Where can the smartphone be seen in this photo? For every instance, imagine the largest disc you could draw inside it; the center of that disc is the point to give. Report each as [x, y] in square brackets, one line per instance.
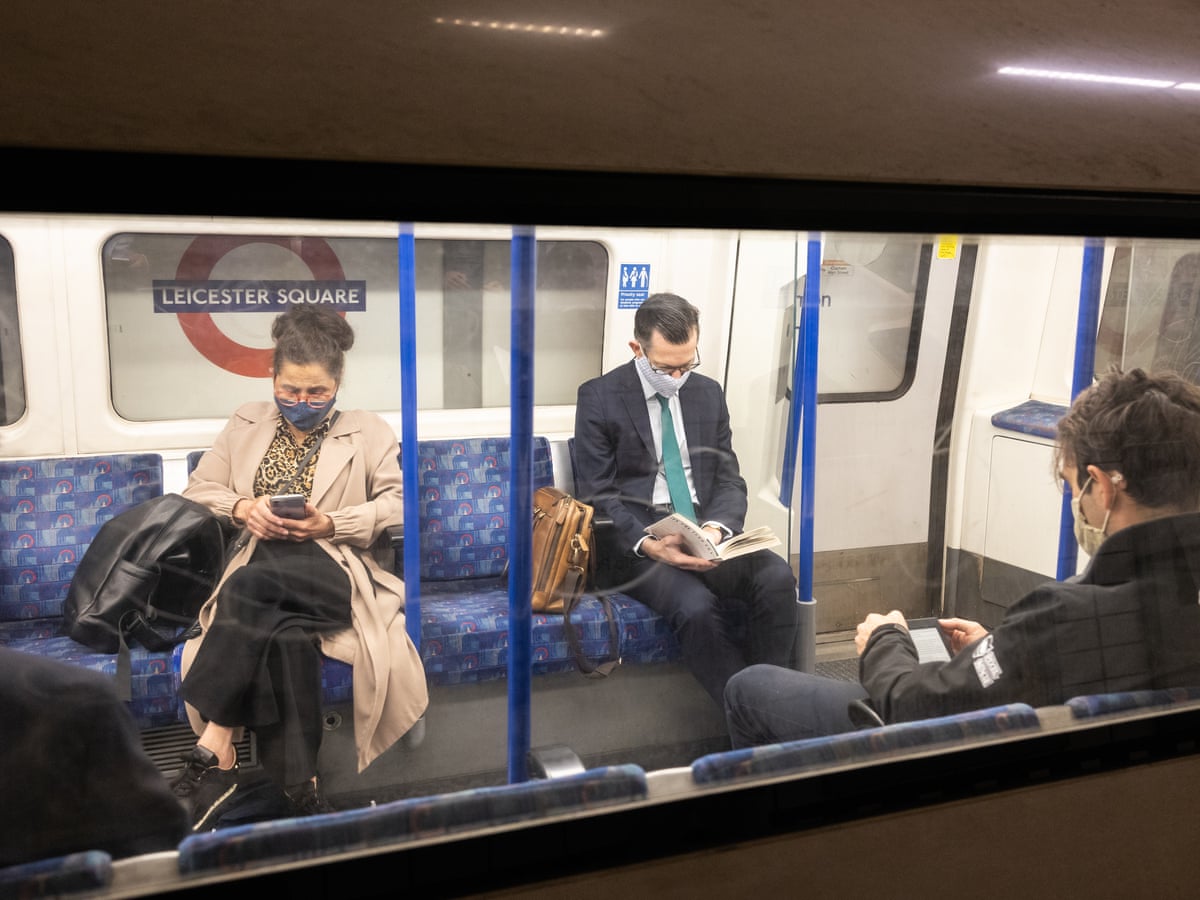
[288, 506]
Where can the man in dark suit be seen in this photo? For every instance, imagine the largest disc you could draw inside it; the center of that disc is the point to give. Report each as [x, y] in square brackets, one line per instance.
[728, 614]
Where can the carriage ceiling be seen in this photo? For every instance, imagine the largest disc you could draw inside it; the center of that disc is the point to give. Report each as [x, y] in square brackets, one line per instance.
[858, 90]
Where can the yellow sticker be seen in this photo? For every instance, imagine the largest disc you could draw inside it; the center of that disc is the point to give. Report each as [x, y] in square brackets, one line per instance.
[947, 246]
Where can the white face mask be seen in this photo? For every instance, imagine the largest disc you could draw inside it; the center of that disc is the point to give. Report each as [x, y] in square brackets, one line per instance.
[1089, 536]
[666, 385]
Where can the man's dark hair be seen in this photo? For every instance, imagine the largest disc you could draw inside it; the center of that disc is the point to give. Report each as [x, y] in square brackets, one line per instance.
[673, 317]
[1145, 426]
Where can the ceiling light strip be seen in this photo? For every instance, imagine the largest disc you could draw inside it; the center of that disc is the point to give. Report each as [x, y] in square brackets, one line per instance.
[525, 27]
[1092, 77]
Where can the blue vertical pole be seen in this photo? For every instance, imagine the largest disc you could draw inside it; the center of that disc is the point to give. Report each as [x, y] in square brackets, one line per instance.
[408, 432]
[810, 332]
[802, 417]
[1085, 367]
[520, 572]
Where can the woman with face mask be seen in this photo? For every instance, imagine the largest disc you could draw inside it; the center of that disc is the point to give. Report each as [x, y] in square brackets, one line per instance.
[299, 583]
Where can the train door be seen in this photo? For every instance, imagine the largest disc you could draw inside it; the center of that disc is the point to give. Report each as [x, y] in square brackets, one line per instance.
[886, 303]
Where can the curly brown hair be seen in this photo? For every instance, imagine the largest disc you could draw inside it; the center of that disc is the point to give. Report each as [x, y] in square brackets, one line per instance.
[1147, 427]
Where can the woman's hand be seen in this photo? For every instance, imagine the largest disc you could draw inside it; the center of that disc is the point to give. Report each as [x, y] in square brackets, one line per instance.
[266, 526]
[315, 524]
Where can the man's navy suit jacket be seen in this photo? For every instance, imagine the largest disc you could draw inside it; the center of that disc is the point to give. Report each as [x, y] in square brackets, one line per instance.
[615, 462]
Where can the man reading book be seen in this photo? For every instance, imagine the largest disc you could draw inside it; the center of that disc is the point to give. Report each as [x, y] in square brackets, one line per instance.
[652, 438]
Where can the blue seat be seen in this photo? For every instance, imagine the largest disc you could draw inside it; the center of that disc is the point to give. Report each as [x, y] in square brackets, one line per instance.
[52, 508]
[1090, 705]
[1031, 417]
[465, 513]
[862, 746]
[50, 511]
[292, 840]
[57, 876]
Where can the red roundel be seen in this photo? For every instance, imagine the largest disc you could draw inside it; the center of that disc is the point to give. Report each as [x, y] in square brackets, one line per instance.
[197, 264]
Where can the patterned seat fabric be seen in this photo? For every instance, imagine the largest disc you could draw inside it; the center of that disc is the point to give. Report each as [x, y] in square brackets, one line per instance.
[466, 513]
[1031, 417]
[289, 840]
[1084, 707]
[466, 505]
[57, 876]
[50, 511]
[861, 746]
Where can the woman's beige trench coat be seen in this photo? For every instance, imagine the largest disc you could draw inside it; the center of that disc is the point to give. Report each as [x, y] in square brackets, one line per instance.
[358, 484]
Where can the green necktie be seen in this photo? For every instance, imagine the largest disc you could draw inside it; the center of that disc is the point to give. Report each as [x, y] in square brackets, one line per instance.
[681, 497]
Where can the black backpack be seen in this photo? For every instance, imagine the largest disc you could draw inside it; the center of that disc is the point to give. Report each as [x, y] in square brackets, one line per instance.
[144, 578]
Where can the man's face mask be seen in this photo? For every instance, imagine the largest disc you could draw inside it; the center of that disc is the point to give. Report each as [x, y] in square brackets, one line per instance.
[1089, 536]
[667, 385]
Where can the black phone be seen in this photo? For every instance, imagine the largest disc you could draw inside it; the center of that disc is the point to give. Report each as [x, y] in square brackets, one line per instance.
[288, 506]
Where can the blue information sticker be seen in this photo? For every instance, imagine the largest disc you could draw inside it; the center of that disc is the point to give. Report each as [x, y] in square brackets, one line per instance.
[635, 285]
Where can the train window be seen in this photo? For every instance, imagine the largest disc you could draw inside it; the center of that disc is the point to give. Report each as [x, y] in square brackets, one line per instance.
[188, 311]
[1150, 317]
[872, 293]
[12, 382]
[463, 307]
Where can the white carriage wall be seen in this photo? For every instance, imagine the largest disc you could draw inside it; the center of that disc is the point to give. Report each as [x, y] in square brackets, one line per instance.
[1004, 502]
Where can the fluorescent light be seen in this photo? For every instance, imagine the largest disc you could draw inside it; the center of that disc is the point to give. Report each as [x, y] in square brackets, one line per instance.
[578, 31]
[1188, 86]
[1092, 77]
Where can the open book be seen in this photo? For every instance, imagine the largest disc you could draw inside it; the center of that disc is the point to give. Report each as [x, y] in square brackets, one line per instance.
[698, 543]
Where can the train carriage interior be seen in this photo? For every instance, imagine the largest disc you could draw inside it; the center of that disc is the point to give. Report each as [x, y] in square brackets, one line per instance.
[913, 239]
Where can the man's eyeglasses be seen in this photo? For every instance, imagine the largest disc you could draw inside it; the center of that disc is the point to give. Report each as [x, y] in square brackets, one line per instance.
[675, 370]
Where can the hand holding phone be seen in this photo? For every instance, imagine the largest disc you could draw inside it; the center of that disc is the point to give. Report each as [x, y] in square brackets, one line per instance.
[288, 506]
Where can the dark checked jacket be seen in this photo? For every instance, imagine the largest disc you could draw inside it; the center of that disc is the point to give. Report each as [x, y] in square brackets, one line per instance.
[1129, 621]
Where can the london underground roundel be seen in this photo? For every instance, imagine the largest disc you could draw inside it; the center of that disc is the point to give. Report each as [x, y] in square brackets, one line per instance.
[197, 264]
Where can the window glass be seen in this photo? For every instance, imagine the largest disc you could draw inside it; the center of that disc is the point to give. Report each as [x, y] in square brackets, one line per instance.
[463, 313]
[871, 296]
[1149, 319]
[189, 318]
[12, 381]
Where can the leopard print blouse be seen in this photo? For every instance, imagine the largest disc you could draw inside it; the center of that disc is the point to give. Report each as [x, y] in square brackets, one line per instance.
[277, 471]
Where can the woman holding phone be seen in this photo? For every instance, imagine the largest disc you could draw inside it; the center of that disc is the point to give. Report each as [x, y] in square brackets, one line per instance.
[297, 587]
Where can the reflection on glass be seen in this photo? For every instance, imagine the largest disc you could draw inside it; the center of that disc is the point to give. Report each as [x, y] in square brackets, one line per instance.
[12, 381]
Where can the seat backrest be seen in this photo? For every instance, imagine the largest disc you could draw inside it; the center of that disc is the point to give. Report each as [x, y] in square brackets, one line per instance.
[244, 847]
[1088, 705]
[466, 504]
[861, 746]
[50, 511]
[1031, 417]
[59, 876]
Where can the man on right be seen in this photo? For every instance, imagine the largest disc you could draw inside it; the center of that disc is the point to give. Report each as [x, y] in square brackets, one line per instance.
[1129, 448]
